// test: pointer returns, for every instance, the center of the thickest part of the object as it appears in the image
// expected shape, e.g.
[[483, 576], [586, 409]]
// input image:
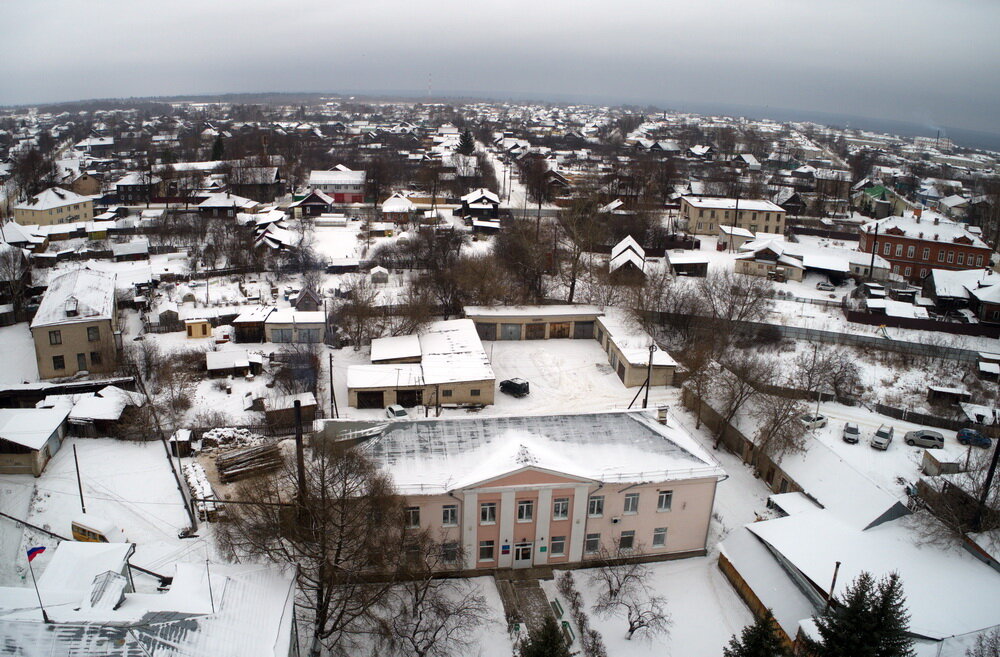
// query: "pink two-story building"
[[516, 492]]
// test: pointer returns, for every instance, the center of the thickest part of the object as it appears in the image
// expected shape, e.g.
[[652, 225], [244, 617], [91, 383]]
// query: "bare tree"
[[14, 274], [624, 590], [344, 534], [826, 368], [730, 298], [358, 316], [426, 615], [987, 645], [743, 372], [780, 431]]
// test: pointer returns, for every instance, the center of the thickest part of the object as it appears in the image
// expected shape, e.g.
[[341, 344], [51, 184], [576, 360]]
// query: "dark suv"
[[515, 387], [972, 437]]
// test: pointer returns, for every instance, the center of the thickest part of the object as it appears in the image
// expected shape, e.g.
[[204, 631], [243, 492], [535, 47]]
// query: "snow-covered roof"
[[82, 295], [226, 360], [393, 348], [75, 565], [735, 231], [929, 226], [627, 250], [478, 195], [632, 341], [719, 203], [292, 316], [254, 314], [244, 610], [451, 351], [338, 177], [52, 198], [30, 427], [947, 590], [385, 376], [435, 456], [224, 200], [558, 310], [398, 203], [134, 247], [287, 402]]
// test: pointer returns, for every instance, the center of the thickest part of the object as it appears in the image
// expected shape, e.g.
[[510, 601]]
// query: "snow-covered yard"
[[126, 483], [704, 609]]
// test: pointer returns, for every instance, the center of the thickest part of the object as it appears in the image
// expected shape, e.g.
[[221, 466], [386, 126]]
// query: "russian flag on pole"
[[34, 552]]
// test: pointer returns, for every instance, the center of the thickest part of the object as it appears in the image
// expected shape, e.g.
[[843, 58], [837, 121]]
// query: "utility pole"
[[79, 483], [300, 461], [649, 374], [833, 583], [333, 397]]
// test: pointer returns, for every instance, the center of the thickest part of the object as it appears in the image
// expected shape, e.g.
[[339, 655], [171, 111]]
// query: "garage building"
[[534, 322]]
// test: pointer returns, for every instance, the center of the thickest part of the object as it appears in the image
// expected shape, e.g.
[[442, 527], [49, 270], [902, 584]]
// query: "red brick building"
[[915, 244]]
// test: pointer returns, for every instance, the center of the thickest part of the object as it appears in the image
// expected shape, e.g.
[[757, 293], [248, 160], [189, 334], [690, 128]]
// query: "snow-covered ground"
[[127, 483], [704, 609], [18, 350]]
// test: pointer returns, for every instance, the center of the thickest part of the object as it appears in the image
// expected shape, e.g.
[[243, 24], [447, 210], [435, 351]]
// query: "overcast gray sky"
[[925, 61]]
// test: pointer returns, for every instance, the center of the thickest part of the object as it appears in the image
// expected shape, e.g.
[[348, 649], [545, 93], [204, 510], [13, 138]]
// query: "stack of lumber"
[[249, 462], [201, 489]]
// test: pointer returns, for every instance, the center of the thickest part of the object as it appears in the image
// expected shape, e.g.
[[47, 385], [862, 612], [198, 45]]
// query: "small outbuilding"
[[198, 328], [29, 437], [280, 411]]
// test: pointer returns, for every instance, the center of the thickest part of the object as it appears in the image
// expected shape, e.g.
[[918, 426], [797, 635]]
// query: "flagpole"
[[45, 616]]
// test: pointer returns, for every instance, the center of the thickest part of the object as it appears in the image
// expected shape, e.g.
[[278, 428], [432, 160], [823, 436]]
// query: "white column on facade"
[[581, 496], [470, 529], [542, 516], [506, 520]]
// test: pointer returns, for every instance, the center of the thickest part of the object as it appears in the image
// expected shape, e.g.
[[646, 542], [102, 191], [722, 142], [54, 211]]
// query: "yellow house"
[[54, 206], [198, 328], [705, 214]]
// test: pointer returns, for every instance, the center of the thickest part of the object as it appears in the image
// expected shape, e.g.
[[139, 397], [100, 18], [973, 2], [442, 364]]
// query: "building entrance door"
[[522, 555]]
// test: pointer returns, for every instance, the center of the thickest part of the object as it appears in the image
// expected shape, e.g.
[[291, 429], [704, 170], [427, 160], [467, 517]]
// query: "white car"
[[813, 421], [396, 412], [826, 287]]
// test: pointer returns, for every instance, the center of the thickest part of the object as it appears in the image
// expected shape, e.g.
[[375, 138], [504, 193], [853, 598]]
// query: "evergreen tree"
[[218, 149], [870, 621], [546, 641], [466, 146], [758, 640]]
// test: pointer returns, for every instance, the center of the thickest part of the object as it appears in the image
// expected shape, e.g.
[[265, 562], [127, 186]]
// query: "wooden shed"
[[198, 328]]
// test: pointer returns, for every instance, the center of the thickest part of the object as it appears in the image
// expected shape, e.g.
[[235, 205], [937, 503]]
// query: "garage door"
[[409, 398], [534, 331], [486, 330], [559, 330], [583, 330], [371, 399], [510, 331]]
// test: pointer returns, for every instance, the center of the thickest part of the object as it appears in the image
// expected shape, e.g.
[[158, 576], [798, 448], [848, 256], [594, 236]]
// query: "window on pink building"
[[525, 510], [488, 513], [412, 517], [449, 515], [660, 537], [560, 508], [486, 550], [627, 540], [557, 546], [592, 544]]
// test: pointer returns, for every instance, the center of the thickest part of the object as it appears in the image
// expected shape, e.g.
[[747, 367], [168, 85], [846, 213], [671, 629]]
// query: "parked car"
[[973, 437], [813, 421], [396, 411], [515, 387], [851, 433], [924, 438], [826, 287], [882, 437]]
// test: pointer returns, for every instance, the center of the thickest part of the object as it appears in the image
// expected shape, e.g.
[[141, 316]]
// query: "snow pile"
[[230, 437], [201, 489]]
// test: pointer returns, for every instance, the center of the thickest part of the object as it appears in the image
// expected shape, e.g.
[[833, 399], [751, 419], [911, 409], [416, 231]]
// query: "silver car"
[[882, 437], [851, 433], [924, 438]]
